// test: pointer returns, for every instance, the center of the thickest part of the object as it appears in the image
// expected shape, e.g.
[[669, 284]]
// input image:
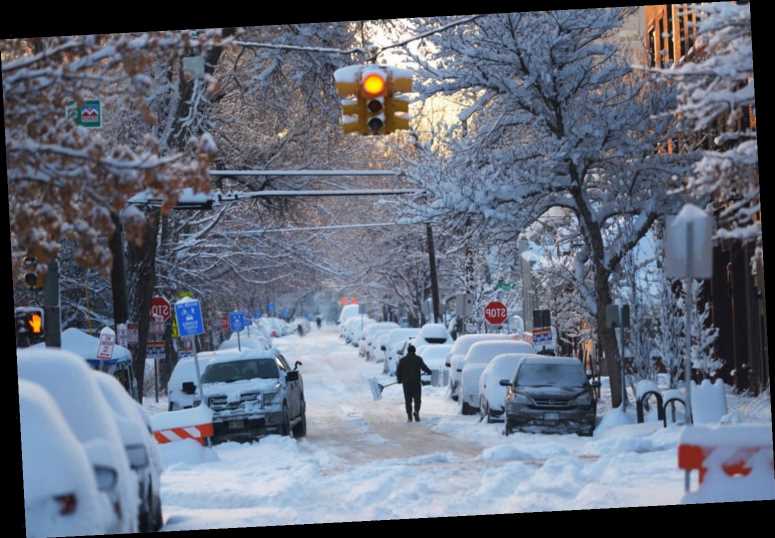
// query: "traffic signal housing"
[[30, 326], [371, 98], [34, 278]]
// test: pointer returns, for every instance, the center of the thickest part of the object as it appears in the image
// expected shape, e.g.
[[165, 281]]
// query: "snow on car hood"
[[233, 390]]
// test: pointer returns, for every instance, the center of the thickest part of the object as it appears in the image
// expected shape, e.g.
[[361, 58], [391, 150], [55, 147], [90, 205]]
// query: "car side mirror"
[[293, 375], [504, 383], [382, 348], [297, 364], [188, 387], [138, 456]]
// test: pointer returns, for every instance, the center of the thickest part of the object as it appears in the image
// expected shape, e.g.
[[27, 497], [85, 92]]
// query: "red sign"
[[160, 307], [495, 313]]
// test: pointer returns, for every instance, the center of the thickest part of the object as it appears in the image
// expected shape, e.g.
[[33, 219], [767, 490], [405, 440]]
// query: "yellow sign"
[[175, 328]]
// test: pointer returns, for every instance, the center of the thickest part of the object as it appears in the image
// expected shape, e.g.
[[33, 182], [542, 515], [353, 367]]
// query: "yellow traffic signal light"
[[371, 103]]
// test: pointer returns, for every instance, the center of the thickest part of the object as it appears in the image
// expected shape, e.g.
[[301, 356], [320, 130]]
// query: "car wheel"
[[158, 517], [285, 426], [300, 430], [467, 409]]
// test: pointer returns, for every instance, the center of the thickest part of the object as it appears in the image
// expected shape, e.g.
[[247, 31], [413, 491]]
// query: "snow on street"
[[362, 461]]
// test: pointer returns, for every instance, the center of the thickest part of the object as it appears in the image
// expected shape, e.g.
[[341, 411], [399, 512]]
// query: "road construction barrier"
[[198, 433], [730, 447]]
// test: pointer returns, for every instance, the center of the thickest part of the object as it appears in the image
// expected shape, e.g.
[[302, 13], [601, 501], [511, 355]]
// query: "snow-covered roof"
[[230, 355], [433, 330]]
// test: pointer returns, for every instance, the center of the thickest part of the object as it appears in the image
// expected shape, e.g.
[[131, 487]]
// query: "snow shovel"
[[377, 388]]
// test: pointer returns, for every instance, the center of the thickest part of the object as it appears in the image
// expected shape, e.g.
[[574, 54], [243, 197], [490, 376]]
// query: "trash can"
[[436, 378]]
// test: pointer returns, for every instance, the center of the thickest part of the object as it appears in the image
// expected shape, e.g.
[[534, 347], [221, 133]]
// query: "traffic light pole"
[[51, 306]]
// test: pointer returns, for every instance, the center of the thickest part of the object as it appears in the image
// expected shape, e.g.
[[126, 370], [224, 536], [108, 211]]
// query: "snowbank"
[[615, 417], [185, 452], [709, 403]]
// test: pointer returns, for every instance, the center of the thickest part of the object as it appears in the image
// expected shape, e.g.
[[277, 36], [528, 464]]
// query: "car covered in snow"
[[182, 385], [394, 342], [492, 395], [368, 346], [434, 356], [432, 333], [474, 363], [348, 311], [71, 383], [141, 449], [354, 327], [61, 494], [550, 393], [458, 353], [252, 393]]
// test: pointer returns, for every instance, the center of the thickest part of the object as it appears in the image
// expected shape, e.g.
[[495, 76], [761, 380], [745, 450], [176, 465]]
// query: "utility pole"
[[434, 276], [51, 306]]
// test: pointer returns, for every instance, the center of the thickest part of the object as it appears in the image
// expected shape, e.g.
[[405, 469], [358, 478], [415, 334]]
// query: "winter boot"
[[409, 418], [416, 416]]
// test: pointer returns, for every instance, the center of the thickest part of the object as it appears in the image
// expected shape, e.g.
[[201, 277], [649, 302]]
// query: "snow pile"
[[179, 454], [615, 417], [709, 402], [182, 418]]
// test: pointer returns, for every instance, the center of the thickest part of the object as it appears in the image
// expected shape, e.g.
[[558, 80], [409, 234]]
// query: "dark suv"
[[550, 393]]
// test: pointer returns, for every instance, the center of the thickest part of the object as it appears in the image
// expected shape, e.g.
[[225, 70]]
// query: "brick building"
[[736, 292]]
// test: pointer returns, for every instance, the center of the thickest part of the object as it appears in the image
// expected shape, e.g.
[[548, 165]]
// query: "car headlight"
[[519, 398], [584, 399], [268, 397]]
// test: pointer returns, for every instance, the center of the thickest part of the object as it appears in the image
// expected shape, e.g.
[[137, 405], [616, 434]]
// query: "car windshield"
[[227, 372], [560, 375]]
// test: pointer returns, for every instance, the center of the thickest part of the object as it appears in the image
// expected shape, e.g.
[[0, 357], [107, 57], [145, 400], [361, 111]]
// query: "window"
[[652, 48], [661, 41], [562, 375], [284, 362], [281, 365], [228, 372]]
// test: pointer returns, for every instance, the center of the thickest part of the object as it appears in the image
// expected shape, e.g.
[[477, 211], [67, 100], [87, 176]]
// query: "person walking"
[[408, 374]]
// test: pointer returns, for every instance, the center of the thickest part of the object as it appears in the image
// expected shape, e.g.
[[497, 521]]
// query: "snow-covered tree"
[[704, 334], [670, 338], [64, 180], [716, 91], [557, 120]]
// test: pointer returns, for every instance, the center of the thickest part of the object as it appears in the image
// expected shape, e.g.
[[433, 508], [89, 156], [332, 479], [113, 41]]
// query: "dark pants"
[[412, 392]]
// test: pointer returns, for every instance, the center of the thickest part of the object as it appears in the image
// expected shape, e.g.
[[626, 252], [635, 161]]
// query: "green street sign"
[[87, 115], [505, 286]]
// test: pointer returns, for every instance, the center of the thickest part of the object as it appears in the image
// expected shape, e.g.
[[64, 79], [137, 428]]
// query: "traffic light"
[[30, 327], [32, 276], [370, 99]]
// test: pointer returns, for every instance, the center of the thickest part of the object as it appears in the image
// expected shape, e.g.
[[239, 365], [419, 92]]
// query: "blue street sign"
[[270, 308], [285, 312], [188, 314], [257, 315], [237, 321]]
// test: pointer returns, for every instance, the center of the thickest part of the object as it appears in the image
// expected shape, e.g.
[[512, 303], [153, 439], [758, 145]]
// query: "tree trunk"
[[118, 274], [607, 337], [143, 264]]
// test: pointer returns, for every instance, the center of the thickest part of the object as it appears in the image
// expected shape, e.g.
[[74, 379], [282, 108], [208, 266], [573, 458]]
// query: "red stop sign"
[[160, 307], [495, 313]]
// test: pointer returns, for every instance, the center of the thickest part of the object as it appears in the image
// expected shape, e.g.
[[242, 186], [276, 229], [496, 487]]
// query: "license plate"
[[551, 416], [236, 424]]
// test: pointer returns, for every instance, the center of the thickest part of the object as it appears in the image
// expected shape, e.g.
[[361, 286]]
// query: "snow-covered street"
[[362, 461]]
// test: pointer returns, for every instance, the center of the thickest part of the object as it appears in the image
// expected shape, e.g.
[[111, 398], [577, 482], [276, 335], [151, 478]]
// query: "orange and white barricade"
[[195, 423]]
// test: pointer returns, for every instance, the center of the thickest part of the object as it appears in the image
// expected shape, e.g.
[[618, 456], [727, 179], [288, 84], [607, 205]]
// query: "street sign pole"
[[239, 347], [689, 306], [156, 378]]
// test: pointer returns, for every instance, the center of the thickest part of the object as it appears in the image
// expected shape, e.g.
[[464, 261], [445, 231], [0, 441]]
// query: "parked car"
[[61, 494], [432, 333], [550, 393], [396, 339], [458, 353], [348, 311], [492, 395], [182, 385], [373, 352], [252, 393], [434, 356], [85, 345], [71, 383], [141, 449], [475, 361], [255, 340], [354, 327]]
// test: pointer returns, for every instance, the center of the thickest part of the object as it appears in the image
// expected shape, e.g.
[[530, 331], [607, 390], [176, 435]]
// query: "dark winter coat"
[[408, 371]]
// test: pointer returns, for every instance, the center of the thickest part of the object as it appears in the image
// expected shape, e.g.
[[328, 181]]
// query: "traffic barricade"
[[730, 447], [195, 423]]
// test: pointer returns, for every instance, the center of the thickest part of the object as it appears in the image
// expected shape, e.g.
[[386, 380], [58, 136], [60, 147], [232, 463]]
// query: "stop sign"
[[160, 307], [495, 313]]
